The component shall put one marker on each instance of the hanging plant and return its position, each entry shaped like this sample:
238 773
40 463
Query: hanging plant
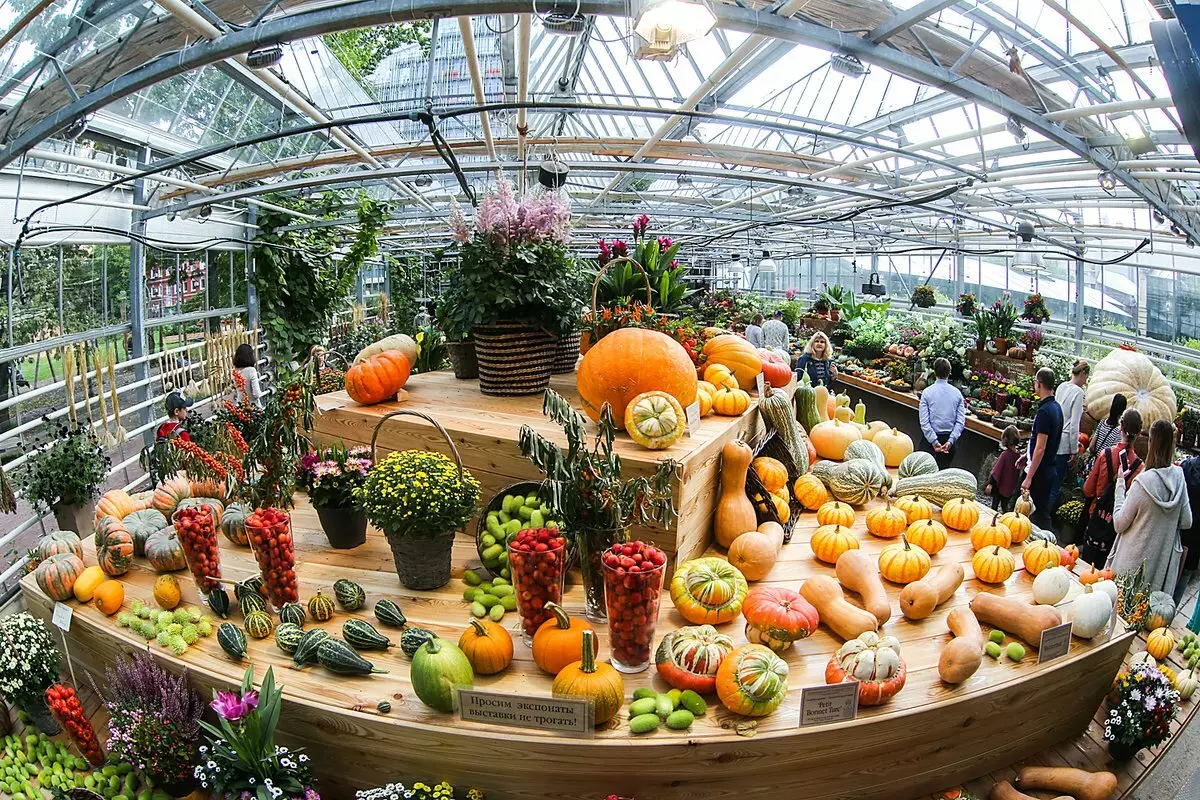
924 296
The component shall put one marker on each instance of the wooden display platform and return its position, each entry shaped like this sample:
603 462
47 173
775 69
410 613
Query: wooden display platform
486 429
929 737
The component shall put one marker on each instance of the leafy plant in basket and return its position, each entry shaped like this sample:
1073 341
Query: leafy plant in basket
1035 310
622 283
68 469
1142 706
606 320
966 304
923 296
585 483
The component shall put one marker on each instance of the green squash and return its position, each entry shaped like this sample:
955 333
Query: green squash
918 463
361 635
338 657
349 594
218 601
412 639
232 640
293 613
857 481
258 624
288 636
306 650
439 669
388 612
806 404
941 487
777 412
866 449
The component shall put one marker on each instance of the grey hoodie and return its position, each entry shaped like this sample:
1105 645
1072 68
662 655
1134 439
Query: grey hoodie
1147 520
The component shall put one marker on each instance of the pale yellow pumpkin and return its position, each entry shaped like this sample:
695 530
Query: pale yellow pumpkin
896 446
655 420
832 437
1134 375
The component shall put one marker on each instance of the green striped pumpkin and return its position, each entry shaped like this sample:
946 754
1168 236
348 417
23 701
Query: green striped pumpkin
249 602
866 449
362 635
306 650
232 640
824 471
320 607
252 585
288 636
412 639
258 624
918 463
349 594
857 481
940 487
293 613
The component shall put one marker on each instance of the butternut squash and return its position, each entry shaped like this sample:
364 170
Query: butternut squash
821 393
919 598
846 620
857 572
1020 619
963 654
1078 783
1006 791
755 552
735 512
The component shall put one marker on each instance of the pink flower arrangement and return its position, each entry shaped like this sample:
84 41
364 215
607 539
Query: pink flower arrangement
640 225
231 706
509 222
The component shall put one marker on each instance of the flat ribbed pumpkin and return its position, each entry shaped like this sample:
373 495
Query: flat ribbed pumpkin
378 378
628 362
736 353
655 420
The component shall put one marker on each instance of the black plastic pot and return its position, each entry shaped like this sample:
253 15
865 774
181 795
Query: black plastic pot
346 528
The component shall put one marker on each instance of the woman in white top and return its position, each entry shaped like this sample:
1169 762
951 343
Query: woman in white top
244 365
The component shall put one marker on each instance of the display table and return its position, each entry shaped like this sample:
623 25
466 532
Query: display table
1011 368
930 736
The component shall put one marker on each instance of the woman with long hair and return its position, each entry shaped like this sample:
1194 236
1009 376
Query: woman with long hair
817 360
244 364
1106 434
1099 490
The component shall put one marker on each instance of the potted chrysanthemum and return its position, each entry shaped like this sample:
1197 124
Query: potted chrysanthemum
331 476
28 667
1142 706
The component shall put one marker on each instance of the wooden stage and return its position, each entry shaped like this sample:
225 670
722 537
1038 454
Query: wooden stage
929 737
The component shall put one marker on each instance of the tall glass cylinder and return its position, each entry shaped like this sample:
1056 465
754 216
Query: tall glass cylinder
593 542
633 579
198 534
538 561
270 534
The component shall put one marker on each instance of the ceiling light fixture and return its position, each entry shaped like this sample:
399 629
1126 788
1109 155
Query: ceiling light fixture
767 265
74 130
562 20
666 24
1135 133
1108 182
423 181
264 57
1017 130
848 65
1025 258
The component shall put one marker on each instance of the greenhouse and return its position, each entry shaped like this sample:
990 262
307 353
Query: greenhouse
599 400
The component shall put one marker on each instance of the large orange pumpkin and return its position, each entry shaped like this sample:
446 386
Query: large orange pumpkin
630 361
378 378
737 354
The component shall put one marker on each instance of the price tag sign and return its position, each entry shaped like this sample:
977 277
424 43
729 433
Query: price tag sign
1056 643
62 616
693 418
760 383
820 705
569 717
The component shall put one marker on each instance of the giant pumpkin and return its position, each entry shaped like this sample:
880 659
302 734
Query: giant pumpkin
378 378
397 341
1132 374
737 354
629 362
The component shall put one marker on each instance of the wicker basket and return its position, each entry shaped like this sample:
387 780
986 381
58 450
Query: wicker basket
462 358
514 359
772 446
566 353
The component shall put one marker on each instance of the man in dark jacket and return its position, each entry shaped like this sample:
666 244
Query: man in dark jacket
1190 538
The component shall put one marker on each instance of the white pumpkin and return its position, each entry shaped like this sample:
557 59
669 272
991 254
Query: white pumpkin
406 345
870 657
1108 587
1186 683
1142 658
1134 375
1090 614
1051 586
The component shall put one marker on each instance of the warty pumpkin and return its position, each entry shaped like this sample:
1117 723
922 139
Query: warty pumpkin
628 362
914 507
961 514
688 657
874 663
53 543
655 420
378 378
556 643
811 493
835 512
487 645
720 376
832 437
708 590
830 541
735 512
987 533
596 682
927 534
903 562
731 402
736 353
1040 555
777 617
752 681
895 444
886 521
993 564
166 591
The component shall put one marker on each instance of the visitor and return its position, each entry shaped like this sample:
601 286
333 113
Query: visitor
1190 538
1043 445
177 414
817 361
1106 434
754 331
1100 487
1005 478
1070 398
943 415
776 335
244 364
1149 517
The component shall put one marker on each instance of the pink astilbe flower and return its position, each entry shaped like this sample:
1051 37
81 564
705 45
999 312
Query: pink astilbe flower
507 222
458 223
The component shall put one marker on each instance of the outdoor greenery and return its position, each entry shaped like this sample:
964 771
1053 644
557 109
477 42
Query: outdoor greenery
362 49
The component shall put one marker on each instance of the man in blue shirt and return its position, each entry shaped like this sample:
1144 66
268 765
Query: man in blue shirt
943 416
1043 446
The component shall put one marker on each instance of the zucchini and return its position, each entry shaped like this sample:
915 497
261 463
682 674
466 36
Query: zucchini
349 594
361 635
306 650
412 639
337 656
940 487
288 636
293 613
389 613
232 640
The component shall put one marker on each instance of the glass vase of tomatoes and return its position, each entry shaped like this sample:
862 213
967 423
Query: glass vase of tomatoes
67 709
270 534
198 534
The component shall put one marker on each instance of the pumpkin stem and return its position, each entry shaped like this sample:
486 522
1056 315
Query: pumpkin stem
560 615
587 663
433 645
479 627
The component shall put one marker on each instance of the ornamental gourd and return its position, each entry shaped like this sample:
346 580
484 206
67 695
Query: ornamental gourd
754 552
866 449
832 437
720 376
918 463
736 353
87 582
397 341
914 507
57 574
708 591
1051 586
771 472
941 487
987 533
1041 555
735 512
824 404
895 444
1024 504
752 681
886 521
838 614
1019 526
378 378
856 571
806 404
233 523
903 562
487 645
688 657
927 534
731 402
810 492
830 541
857 481
835 512
1186 683
321 607
164 551
777 412
962 514
704 397
628 362
1134 375
168 494
993 564
1161 611
874 662
596 682
53 543
556 643
777 617
1090 613
439 670
114 546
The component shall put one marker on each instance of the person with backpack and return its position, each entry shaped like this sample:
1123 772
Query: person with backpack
1190 538
1100 487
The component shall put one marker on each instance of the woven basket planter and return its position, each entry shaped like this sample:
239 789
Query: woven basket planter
514 359
566 353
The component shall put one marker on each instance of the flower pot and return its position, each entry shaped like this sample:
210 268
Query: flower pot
1001 401
566 353
40 715
78 517
835 314
1025 405
592 543
1120 751
462 358
422 562
514 359
1001 345
345 528
979 344
179 788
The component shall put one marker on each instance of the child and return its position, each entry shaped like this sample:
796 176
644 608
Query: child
243 363
1005 479
176 424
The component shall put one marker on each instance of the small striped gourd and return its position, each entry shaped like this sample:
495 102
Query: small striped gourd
258 624
362 635
337 656
349 594
218 601
412 639
249 602
288 636
320 607
940 487
293 613
388 612
918 463
252 585
776 409
306 651
232 640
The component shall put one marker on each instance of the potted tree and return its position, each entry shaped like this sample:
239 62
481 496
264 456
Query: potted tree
331 476
66 475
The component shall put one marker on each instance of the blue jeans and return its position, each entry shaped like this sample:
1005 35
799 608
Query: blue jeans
1060 471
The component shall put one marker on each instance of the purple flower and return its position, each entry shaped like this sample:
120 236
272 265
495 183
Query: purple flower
673 266
790 294
233 708
665 242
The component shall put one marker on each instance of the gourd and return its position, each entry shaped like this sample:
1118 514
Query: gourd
168 494
856 572
487 645
874 662
752 681
320 607
903 562
1006 791
596 682
338 657
208 488
1024 504
54 543
806 404
843 414
397 341
914 507
735 512
1078 783
57 574
1094 575
835 512
755 552
218 601
1142 658
832 437
1160 643
655 420
412 639
822 470
361 635
86 583
114 546
1041 555
830 541
895 444
993 564
918 463
857 481
1134 375
232 640
349 594
776 410
821 400
1019 526
143 524
720 376
919 598
708 591
866 449
810 492
704 397
941 487
987 534
731 402
962 514
1051 586
1161 610
1186 684
288 636
166 591
164 551
838 614
1108 587
1020 619
306 650
378 378
439 669
1090 613
109 596
294 614
777 617
688 657
860 413
258 624
771 472
388 612
556 643
927 534
734 352
873 429
249 602
115 503
233 523
886 521
963 654
630 361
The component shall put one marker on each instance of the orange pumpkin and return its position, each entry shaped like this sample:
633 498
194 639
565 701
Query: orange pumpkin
830 541
731 402
708 590
168 494
993 564
960 514
736 353
771 472
928 534
488 646
628 362
1041 555
754 552
835 512
810 492
915 507
752 680
886 521
378 378
987 533
56 575
559 641
115 503
1018 525
109 596
903 562
720 376
208 488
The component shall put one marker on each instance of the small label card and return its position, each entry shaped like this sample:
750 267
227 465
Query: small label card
693 418
1056 643
62 616
760 383
571 717
820 705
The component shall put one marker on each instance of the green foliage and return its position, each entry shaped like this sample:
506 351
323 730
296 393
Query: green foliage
404 278
431 350
361 50
70 469
35 290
